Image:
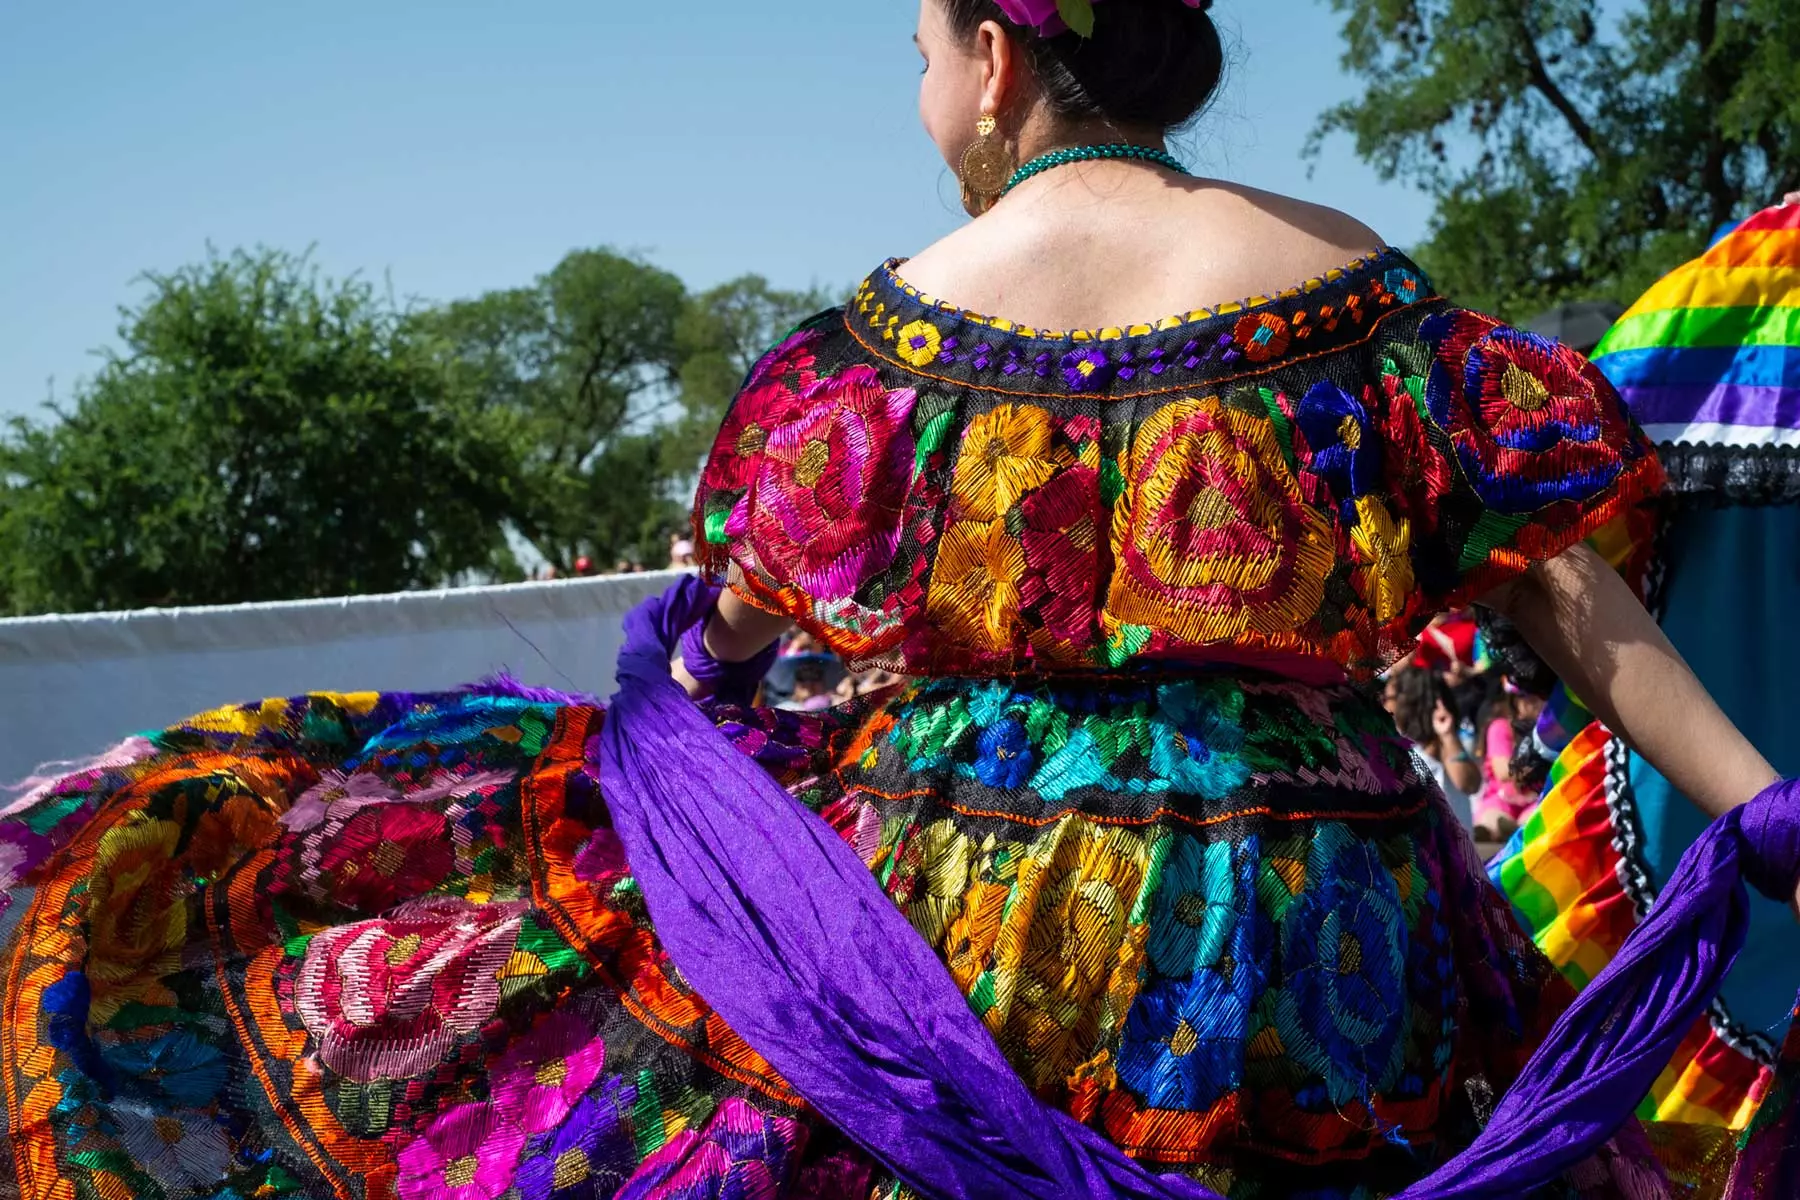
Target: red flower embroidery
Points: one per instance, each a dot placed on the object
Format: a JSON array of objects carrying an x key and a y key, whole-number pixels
[
  {"x": 1062, "y": 548},
  {"x": 824, "y": 510},
  {"x": 1533, "y": 422},
  {"x": 1261, "y": 336}
]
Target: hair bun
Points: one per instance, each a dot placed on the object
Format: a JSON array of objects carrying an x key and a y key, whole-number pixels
[{"x": 1149, "y": 64}]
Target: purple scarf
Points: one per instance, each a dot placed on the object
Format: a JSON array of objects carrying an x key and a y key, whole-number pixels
[{"x": 777, "y": 922}]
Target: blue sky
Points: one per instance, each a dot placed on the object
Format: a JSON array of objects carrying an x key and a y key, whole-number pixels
[{"x": 452, "y": 146}]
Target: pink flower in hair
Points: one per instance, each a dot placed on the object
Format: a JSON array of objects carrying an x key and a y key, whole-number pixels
[
  {"x": 1051, "y": 17},
  {"x": 1040, "y": 15}
]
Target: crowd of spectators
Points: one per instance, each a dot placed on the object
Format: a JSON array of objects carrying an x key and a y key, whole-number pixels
[{"x": 1468, "y": 715}]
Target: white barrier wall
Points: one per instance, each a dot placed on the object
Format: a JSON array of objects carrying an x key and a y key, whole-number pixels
[{"x": 71, "y": 686}]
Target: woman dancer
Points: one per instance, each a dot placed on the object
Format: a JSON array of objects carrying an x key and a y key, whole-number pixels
[{"x": 1133, "y": 891}]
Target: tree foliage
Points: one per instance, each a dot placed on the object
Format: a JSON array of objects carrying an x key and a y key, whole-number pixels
[
  {"x": 1575, "y": 149},
  {"x": 268, "y": 433},
  {"x": 265, "y": 434},
  {"x": 618, "y": 378}
]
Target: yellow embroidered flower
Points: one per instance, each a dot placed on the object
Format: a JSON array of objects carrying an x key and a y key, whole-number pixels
[
  {"x": 1005, "y": 454},
  {"x": 974, "y": 594},
  {"x": 1384, "y": 548},
  {"x": 1212, "y": 537},
  {"x": 919, "y": 344}
]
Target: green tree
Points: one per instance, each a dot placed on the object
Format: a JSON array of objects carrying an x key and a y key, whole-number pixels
[
  {"x": 1575, "y": 149},
  {"x": 267, "y": 433},
  {"x": 585, "y": 361},
  {"x": 619, "y": 379}
]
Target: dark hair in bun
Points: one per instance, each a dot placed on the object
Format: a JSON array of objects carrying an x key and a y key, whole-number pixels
[{"x": 1150, "y": 64}]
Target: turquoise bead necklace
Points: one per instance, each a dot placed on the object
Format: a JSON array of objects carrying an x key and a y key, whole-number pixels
[{"x": 1073, "y": 154}]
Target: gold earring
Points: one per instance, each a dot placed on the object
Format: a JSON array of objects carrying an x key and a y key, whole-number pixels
[{"x": 987, "y": 165}]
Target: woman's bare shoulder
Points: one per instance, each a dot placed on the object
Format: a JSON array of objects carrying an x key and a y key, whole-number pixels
[
  {"x": 1276, "y": 240},
  {"x": 1201, "y": 243}
]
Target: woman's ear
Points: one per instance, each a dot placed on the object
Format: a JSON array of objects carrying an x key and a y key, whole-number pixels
[{"x": 1000, "y": 67}]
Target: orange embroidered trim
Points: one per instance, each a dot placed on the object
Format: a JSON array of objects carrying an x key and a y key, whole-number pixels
[{"x": 1161, "y": 814}]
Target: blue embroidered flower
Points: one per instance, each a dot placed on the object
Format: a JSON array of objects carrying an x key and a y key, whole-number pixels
[
  {"x": 1403, "y": 285},
  {"x": 1341, "y": 1009},
  {"x": 1195, "y": 908},
  {"x": 589, "y": 1155},
  {"x": 1198, "y": 745},
  {"x": 1183, "y": 1042},
  {"x": 1346, "y": 448},
  {"x": 1004, "y": 758},
  {"x": 177, "y": 1066},
  {"x": 1085, "y": 370}
]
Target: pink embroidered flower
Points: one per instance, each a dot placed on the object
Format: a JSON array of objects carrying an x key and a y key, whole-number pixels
[
  {"x": 769, "y": 397},
  {"x": 468, "y": 1153},
  {"x": 541, "y": 1076},
  {"x": 388, "y": 998},
  {"x": 337, "y": 794},
  {"x": 1062, "y": 540},
  {"x": 383, "y": 855},
  {"x": 825, "y": 509}
]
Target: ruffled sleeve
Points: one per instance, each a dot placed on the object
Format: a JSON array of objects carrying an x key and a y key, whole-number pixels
[
  {"x": 806, "y": 486},
  {"x": 1502, "y": 449}
]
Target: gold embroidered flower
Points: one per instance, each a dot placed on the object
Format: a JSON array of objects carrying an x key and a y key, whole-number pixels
[
  {"x": 919, "y": 343},
  {"x": 1384, "y": 549},
  {"x": 1005, "y": 454},
  {"x": 1212, "y": 538},
  {"x": 974, "y": 595}
]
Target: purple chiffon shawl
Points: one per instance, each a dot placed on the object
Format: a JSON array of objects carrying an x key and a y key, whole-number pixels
[{"x": 781, "y": 927}]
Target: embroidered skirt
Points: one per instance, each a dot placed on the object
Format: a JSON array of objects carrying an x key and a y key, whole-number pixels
[{"x": 379, "y": 946}]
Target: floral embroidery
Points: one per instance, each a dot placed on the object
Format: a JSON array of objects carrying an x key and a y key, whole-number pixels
[
  {"x": 1213, "y": 539},
  {"x": 1533, "y": 422},
  {"x": 919, "y": 343},
  {"x": 1261, "y": 337},
  {"x": 975, "y": 586},
  {"x": 1061, "y": 539},
  {"x": 1087, "y": 370},
  {"x": 1343, "y": 951},
  {"x": 1005, "y": 454},
  {"x": 388, "y": 998},
  {"x": 1383, "y": 547},
  {"x": 469, "y": 1153},
  {"x": 1302, "y": 482},
  {"x": 1346, "y": 446},
  {"x": 590, "y": 1154},
  {"x": 542, "y": 1075},
  {"x": 828, "y": 496}
]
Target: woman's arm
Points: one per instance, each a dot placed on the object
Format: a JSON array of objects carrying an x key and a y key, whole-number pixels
[
  {"x": 1448, "y": 749},
  {"x": 1583, "y": 620},
  {"x": 737, "y": 632}
]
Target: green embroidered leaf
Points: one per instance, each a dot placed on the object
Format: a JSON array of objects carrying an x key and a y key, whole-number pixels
[
  {"x": 930, "y": 439},
  {"x": 1491, "y": 531},
  {"x": 1122, "y": 647},
  {"x": 1077, "y": 15},
  {"x": 1112, "y": 482},
  {"x": 1284, "y": 432}
]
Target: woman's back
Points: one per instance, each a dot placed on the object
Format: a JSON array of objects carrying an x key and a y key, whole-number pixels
[{"x": 1045, "y": 256}]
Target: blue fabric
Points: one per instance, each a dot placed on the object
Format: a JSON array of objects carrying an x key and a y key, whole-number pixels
[{"x": 1733, "y": 610}]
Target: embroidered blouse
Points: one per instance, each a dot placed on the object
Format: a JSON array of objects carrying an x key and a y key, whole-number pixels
[{"x": 1297, "y": 483}]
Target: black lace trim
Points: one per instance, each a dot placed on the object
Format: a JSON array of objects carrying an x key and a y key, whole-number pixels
[
  {"x": 1634, "y": 876},
  {"x": 1727, "y": 475}
]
